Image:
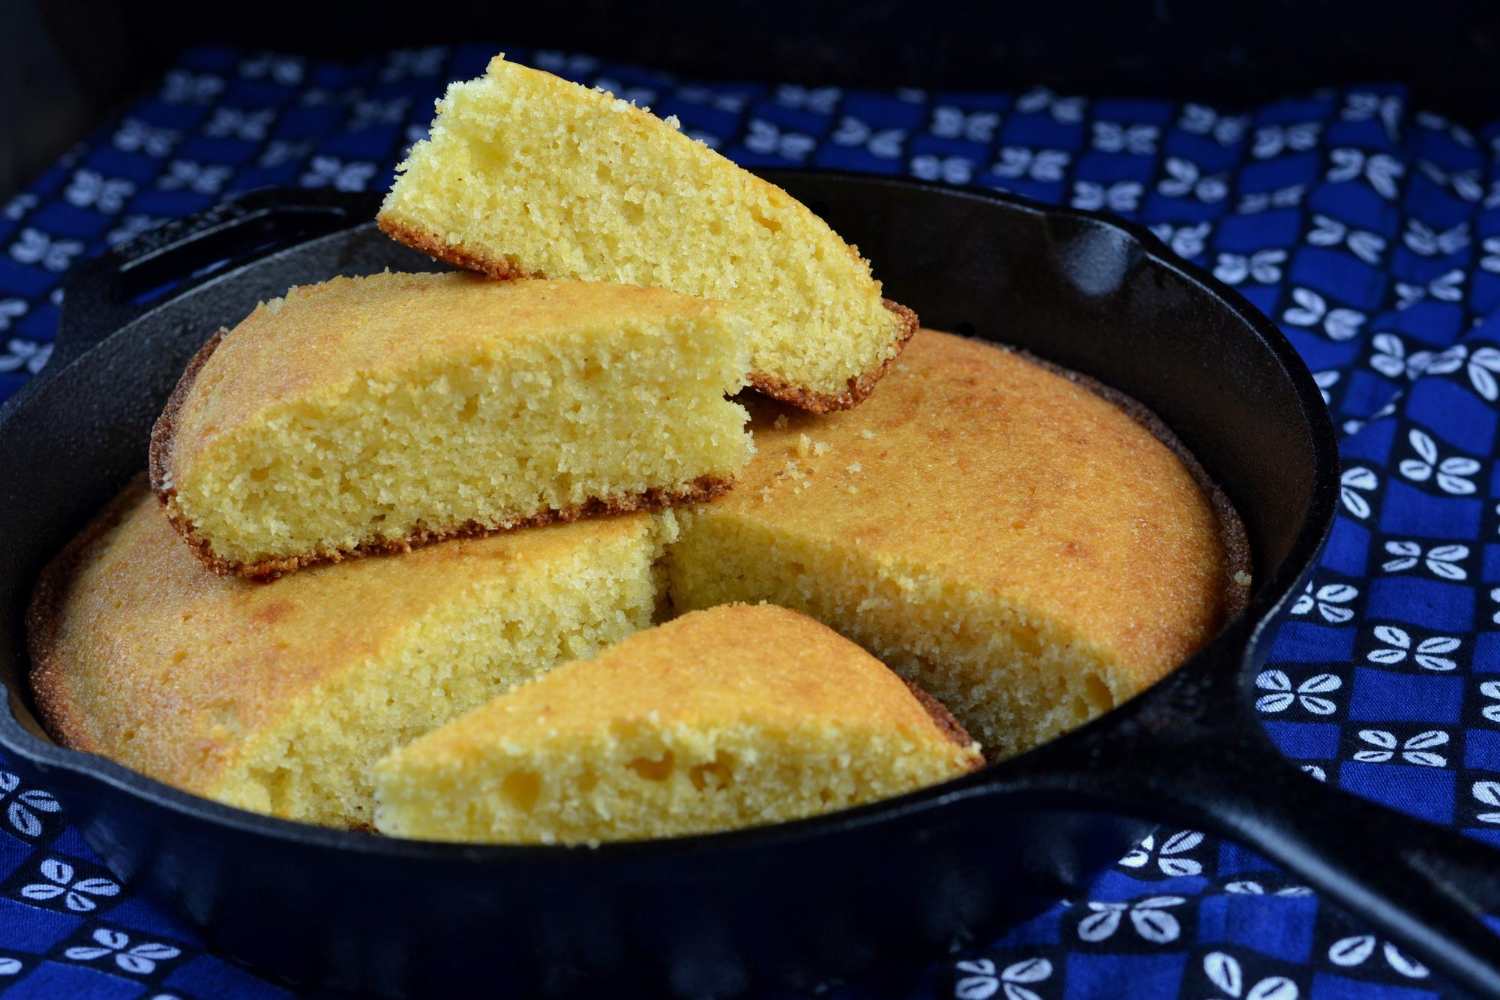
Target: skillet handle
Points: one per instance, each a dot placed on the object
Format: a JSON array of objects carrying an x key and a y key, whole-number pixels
[
  {"x": 1191, "y": 751},
  {"x": 104, "y": 294},
  {"x": 1425, "y": 886}
]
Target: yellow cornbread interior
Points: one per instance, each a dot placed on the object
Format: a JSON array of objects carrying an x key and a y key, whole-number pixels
[
  {"x": 362, "y": 412},
  {"x": 1001, "y": 536},
  {"x": 528, "y": 173},
  {"x": 738, "y": 716},
  {"x": 278, "y": 697},
  {"x": 1014, "y": 544}
]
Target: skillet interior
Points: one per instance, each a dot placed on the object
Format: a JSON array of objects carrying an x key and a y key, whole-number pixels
[{"x": 794, "y": 903}]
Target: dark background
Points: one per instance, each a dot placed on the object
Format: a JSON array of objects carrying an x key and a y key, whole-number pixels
[{"x": 66, "y": 65}]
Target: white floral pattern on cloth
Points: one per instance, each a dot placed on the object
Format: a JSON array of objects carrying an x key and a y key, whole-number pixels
[
  {"x": 1173, "y": 857},
  {"x": 1423, "y": 748},
  {"x": 1393, "y": 644},
  {"x": 115, "y": 946},
  {"x": 27, "y": 810},
  {"x": 1330, "y": 601},
  {"x": 1443, "y": 561},
  {"x": 1367, "y": 230},
  {"x": 884, "y": 143},
  {"x": 1150, "y": 918},
  {"x": 982, "y": 980},
  {"x": 58, "y": 881},
  {"x": 1311, "y": 310},
  {"x": 1311, "y": 695},
  {"x": 1362, "y": 948},
  {"x": 1362, "y": 243},
  {"x": 1225, "y": 972},
  {"x": 1263, "y": 267},
  {"x": 1353, "y": 483}
]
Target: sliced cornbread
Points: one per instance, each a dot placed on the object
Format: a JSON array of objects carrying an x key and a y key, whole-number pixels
[
  {"x": 527, "y": 174},
  {"x": 370, "y": 414},
  {"x": 995, "y": 532},
  {"x": 737, "y": 716},
  {"x": 277, "y": 697}
]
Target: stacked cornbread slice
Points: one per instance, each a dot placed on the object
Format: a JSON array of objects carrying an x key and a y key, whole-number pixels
[
  {"x": 738, "y": 716},
  {"x": 528, "y": 174},
  {"x": 370, "y": 414}
]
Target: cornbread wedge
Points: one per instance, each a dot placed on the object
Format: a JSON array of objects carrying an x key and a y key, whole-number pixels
[
  {"x": 526, "y": 174},
  {"x": 996, "y": 532},
  {"x": 732, "y": 717},
  {"x": 372, "y": 414},
  {"x": 278, "y": 697}
]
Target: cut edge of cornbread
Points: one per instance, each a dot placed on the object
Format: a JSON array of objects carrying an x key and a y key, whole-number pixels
[
  {"x": 313, "y": 765},
  {"x": 572, "y": 777},
  {"x": 859, "y": 388},
  {"x": 436, "y": 232},
  {"x": 163, "y": 440},
  {"x": 949, "y": 640},
  {"x": 1012, "y": 679},
  {"x": 500, "y": 269},
  {"x": 1231, "y": 528}
]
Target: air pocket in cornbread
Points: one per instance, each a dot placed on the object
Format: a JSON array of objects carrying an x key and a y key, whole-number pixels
[
  {"x": 998, "y": 533},
  {"x": 278, "y": 697},
  {"x": 737, "y": 716},
  {"x": 527, "y": 174},
  {"x": 371, "y": 414}
]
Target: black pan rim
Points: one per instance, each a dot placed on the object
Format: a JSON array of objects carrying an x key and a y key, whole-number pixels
[{"x": 1247, "y": 630}]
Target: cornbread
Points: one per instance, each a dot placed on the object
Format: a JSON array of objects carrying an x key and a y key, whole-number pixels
[
  {"x": 526, "y": 174},
  {"x": 371, "y": 414},
  {"x": 994, "y": 531},
  {"x": 277, "y": 697},
  {"x": 733, "y": 717}
]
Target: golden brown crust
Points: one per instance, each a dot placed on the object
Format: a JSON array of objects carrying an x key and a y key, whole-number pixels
[
  {"x": 164, "y": 439},
  {"x": 814, "y": 402},
  {"x": 950, "y": 727},
  {"x": 164, "y": 431},
  {"x": 858, "y": 388},
  {"x": 1238, "y": 562},
  {"x": 495, "y": 267},
  {"x": 699, "y": 490},
  {"x": 44, "y": 614},
  {"x": 163, "y": 436}
]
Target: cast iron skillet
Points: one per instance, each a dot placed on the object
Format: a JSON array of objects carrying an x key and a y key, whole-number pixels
[{"x": 852, "y": 894}]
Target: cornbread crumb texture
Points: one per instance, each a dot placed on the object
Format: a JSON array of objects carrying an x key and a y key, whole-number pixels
[
  {"x": 368, "y": 413},
  {"x": 527, "y": 174},
  {"x": 999, "y": 535},
  {"x": 278, "y": 697},
  {"x": 736, "y": 716},
  {"x": 1011, "y": 542}
]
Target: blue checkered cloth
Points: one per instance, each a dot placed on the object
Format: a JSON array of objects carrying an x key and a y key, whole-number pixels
[{"x": 1370, "y": 233}]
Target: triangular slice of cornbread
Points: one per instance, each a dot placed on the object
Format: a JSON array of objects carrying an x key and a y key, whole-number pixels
[
  {"x": 527, "y": 174},
  {"x": 371, "y": 414},
  {"x": 277, "y": 697},
  {"x": 737, "y": 716}
]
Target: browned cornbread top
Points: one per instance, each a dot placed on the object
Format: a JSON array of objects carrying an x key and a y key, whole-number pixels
[
  {"x": 142, "y": 655},
  {"x": 734, "y": 716},
  {"x": 975, "y": 471},
  {"x": 754, "y": 662},
  {"x": 369, "y": 414}
]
